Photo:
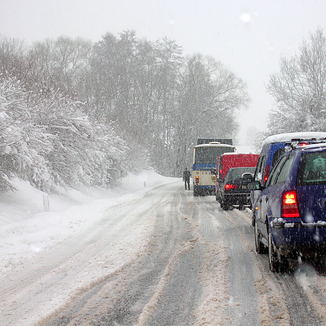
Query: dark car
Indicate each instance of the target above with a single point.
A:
(231, 160)
(290, 218)
(235, 191)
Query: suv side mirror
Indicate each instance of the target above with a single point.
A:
(255, 185)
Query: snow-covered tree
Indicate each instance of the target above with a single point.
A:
(23, 144)
(59, 64)
(209, 94)
(299, 89)
(83, 152)
(158, 101)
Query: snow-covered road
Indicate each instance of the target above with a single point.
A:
(163, 257)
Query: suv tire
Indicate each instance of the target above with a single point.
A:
(273, 257)
(260, 248)
(224, 206)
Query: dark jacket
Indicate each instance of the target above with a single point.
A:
(186, 175)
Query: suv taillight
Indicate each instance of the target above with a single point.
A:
(290, 204)
(266, 174)
(230, 186)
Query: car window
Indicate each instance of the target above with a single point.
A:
(312, 169)
(236, 173)
(285, 169)
(275, 172)
(277, 155)
(260, 165)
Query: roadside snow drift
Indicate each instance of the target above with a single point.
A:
(31, 221)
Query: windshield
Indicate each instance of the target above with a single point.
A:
(208, 155)
(236, 173)
(313, 169)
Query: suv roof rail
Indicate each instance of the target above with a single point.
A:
(302, 143)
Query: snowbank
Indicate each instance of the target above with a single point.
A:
(27, 228)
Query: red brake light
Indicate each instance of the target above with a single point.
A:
(290, 204)
(303, 143)
(266, 174)
(230, 186)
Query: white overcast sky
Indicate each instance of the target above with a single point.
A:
(248, 36)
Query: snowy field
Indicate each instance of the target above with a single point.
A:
(28, 227)
(84, 236)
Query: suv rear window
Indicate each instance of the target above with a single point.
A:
(312, 169)
(277, 155)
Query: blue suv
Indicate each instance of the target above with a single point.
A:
(290, 210)
(273, 148)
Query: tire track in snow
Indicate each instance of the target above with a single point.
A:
(300, 309)
(314, 285)
(284, 301)
(213, 308)
(198, 268)
(134, 293)
(56, 275)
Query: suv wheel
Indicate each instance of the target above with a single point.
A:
(320, 261)
(253, 219)
(260, 248)
(273, 257)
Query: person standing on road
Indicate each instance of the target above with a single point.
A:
(186, 178)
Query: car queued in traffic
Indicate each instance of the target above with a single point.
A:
(288, 196)
(285, 187)
(234, 173)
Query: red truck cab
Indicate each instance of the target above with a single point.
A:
(234, 160)
(231, 160)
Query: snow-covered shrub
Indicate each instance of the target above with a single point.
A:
(50, 141)
(83, 152)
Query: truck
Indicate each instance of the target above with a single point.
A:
(205, 154)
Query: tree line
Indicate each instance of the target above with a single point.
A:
(76, 112)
